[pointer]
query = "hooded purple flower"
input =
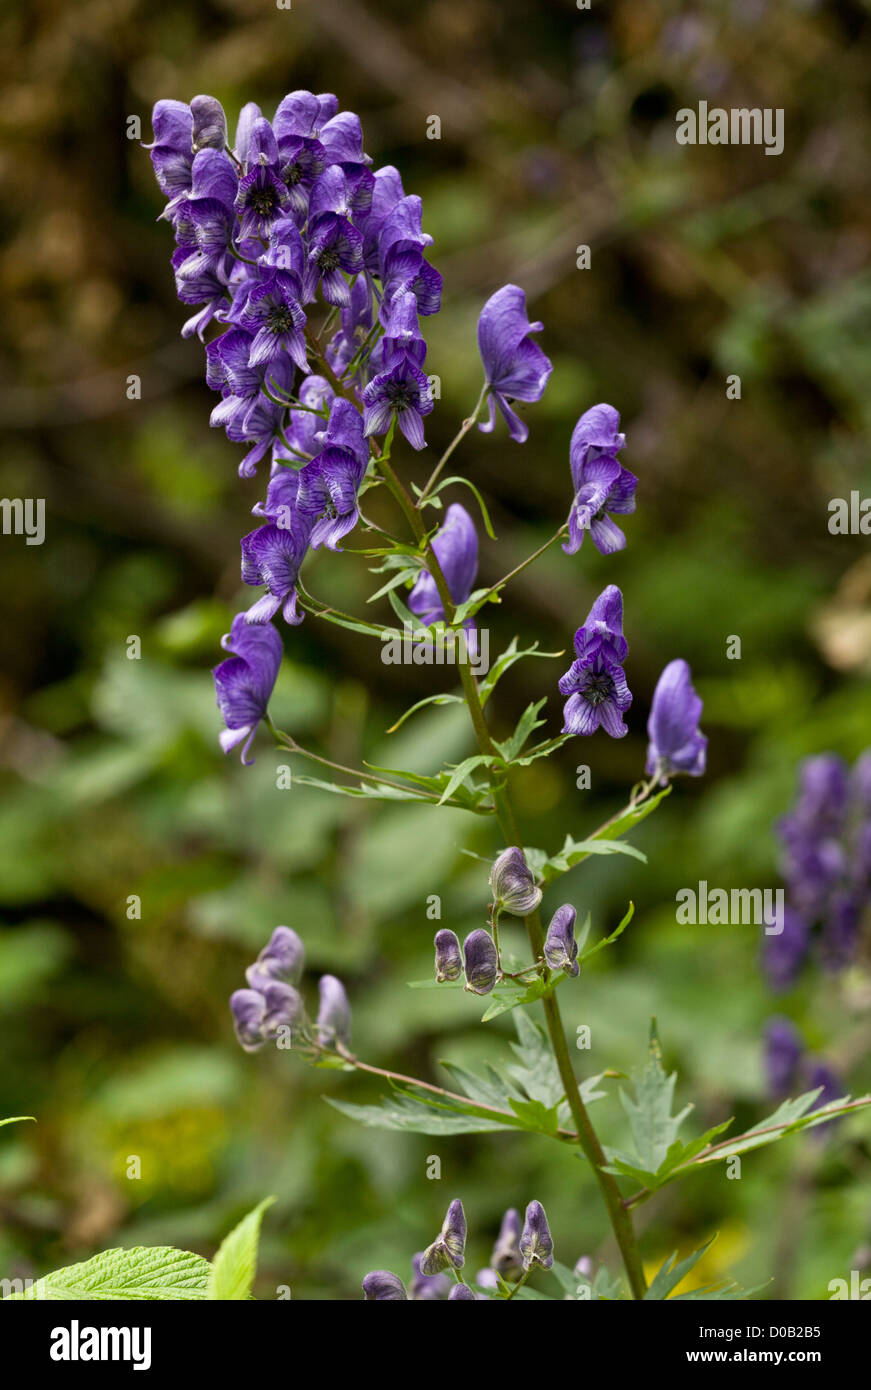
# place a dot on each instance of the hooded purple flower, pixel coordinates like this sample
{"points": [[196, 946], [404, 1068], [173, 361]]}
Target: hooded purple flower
{"points": [[400, 255], [783, 954], [512, 884], [427, 1288], [784, 1050], [209, 124], [381, 1286], [448, 960], [596, 682], [334, 1014], [328, 487], [304, 429], [402, 393], [355, 320], [284, 1008], [172, 148], [335, 244], [282, 958], [449, 1247], [560, 947], [262, 197], [676, 742], [515, 366], [536, 1243], [272, 555], [244, 683], [601, 484], [461, 1293], [456, 549], [506, 1258], [480, 960], [273, 314], [248, 1008], [841, 929]]}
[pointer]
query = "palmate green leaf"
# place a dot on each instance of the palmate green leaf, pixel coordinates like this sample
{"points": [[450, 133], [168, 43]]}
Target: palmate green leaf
{"points": [[420, 1112], [654, 1128], [459, 774], [153, 1273], [672, 1272], [789, 1118], [536, 1070], [235, 1264], [504, 662]]}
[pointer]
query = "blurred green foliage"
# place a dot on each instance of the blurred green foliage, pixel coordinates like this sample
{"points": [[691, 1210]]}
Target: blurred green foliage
{"points": [[557, 131]]}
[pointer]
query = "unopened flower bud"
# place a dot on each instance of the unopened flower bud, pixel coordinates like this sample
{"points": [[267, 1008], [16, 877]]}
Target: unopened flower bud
{"points": [[506, 1252], [560, 947], [334, 1014], [449, 1247], [514, 888], [248, 1008], [210, 124], [481, 962], [461, 1291], [536, 1244], [284, 1009], [282, 958], [381, 1285], [427, 1287], [448, 961]]}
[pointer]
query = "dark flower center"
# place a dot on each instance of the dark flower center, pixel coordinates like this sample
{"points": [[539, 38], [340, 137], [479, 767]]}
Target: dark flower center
{"points": [[263, 200], [279, 319], [293, 173], [598, 687], [328, 260], [400, 395]]}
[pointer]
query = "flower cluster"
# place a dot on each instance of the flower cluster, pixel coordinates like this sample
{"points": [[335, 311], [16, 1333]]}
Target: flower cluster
{"points": [[826, 867], [272, 1008], [520, 1248]]}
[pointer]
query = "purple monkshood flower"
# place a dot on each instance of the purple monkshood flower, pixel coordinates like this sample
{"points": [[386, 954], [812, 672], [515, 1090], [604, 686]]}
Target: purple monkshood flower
{"points": [[272, 555], [172, 148], [273, 314], [506, 1258], [258, 1014], [402, 394], [676, 742], [596, 682], [461, 1293], [334, 1014], [560, 947], [248, 1008], [400, 259], [244, 683], [262, 197], [355, 320], [426, 1288], [515, 366], [209, 124], [383, 1286], [456, 549], [282, 958], [448, 960], [480, 961], [784, 1050], [784, 954], [402, 337], [448, 1250], [841, 929], [512, 884], [602, 485], [328, 486], [536, 1244]]}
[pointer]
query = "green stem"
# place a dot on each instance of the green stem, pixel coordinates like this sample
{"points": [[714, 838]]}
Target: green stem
{"points": [[458, 438]]}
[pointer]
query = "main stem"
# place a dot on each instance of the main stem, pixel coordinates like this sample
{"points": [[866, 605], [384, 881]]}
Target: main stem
{"points": [[621, 1220]]}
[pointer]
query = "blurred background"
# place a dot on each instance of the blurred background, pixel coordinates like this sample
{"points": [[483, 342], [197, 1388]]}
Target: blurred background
{"points": [[557, 131]]}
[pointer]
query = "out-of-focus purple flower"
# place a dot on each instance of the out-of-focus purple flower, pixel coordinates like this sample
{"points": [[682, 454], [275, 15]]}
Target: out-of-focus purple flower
{"points": [[784, 953], [821, 1076], [601, 484], [272, 555], [513, 886], [427, 1287], [244, 683], [480, 961], [596, 682], [560, 947], [515, 367], [506, 1258], [282, 958], [462, 1292], [383, 1286], [676, 742], [209, 124], [449, 1247], [487, 1279], [402, 394], [284, 1008], [456, 549], [536, 1243], [248, 1008], [822, 798], [840, 935], [448, 959], [860, 783], [334, 1014], [784, 1050]]}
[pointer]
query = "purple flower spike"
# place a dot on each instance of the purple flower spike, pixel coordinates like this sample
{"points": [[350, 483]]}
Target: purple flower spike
{"points": [[676, 742], [506, 1259], [515, 366], [596, 682], [382, 1286], [514, 888], [282, 958], [601, 484], [402, 393], [334, 1014], [481, 965], [248, 1008], [427, 1288], [560, 947], [448, 960], [536, 1244], [244, 683], [456, 549], [449, 1247], [784, 1050]]}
